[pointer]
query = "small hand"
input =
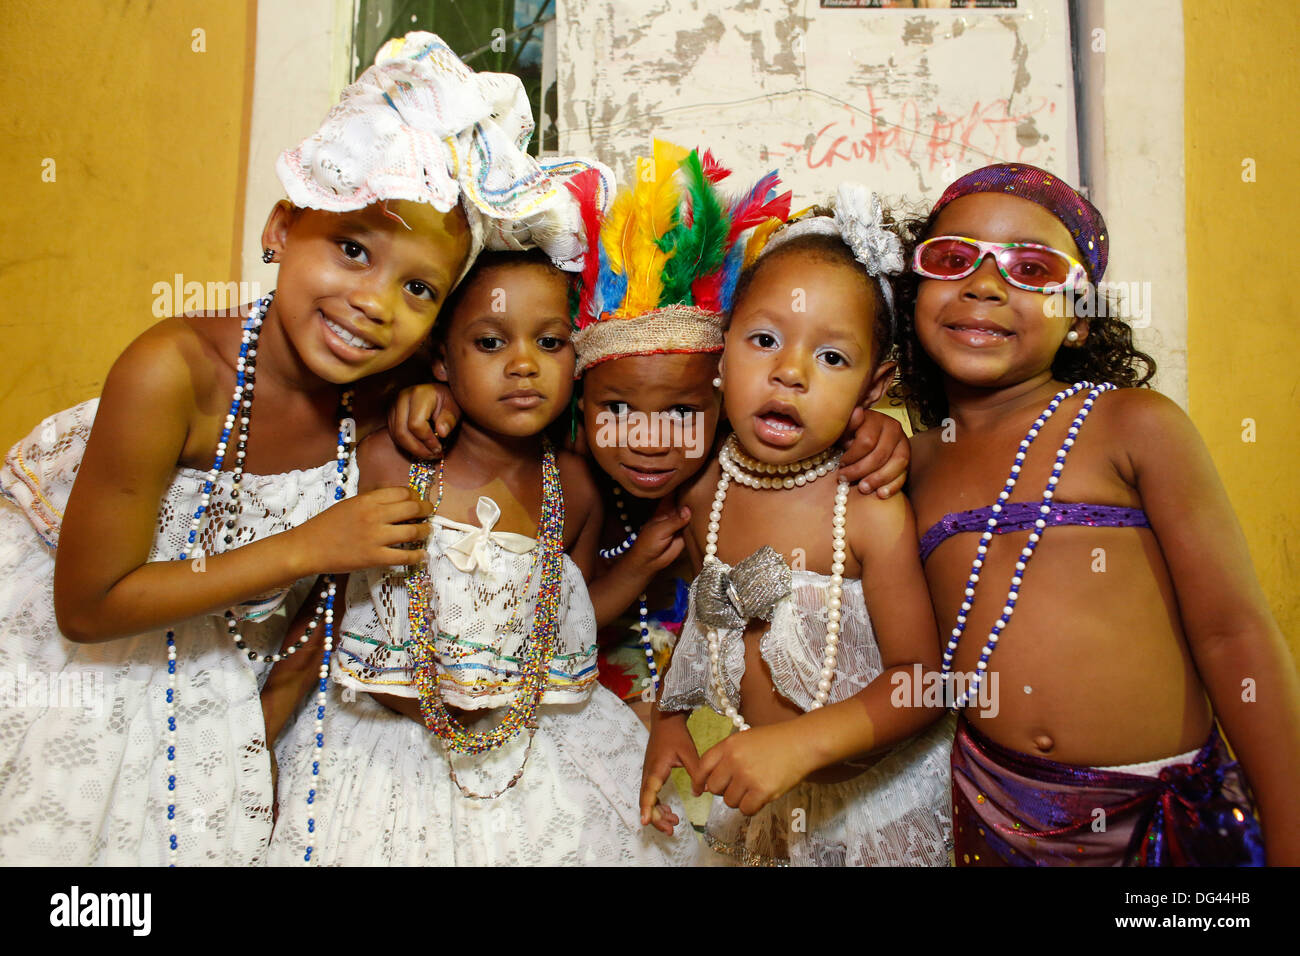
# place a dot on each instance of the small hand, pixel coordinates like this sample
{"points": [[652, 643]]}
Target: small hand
{"points": [[752, 768], [659, 541], [876, 453], [422, 415], [365, 531], [670, 746]]}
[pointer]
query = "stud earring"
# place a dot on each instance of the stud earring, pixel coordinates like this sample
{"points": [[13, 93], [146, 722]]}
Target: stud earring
{"points": [[717, 382], [268, 255], [1071, 336]]}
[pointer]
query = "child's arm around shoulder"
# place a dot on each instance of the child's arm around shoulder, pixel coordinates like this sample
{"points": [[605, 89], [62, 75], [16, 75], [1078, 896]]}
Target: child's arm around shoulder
{"points": [[583, 513], [1238, 648]]}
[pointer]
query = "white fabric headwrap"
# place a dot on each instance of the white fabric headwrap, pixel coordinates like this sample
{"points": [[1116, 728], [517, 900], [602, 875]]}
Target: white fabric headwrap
{"points": [[422, 126]]}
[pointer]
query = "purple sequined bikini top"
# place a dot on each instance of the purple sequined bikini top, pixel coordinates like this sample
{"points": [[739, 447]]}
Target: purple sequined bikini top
{"points": [[1021, 515]]}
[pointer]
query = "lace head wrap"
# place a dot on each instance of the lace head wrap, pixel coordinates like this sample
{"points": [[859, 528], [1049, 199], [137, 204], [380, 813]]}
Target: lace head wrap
{"points": [[659, 270], [1082, 218], [422, 126], [859, 222]]}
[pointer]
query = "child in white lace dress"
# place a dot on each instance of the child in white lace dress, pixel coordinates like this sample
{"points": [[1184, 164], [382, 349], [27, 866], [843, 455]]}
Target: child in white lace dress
{"points": [[807, 662], [151, 748], [526, 759]]}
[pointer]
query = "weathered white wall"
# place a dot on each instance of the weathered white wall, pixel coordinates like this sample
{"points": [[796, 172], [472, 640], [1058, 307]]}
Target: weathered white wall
{"points": [[302, 64], [903, 101], [1143, 189]]}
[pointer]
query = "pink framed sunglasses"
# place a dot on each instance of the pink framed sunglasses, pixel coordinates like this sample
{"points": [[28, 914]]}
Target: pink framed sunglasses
{"points": [[1026, 265]]}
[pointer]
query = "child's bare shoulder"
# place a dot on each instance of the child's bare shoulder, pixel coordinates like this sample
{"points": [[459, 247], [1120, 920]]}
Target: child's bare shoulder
{"points": [[697, 492], [381, 463], [925, 449], [1141, 407], [575, 473], [878, 527], [1141, 422], [169, 362]]}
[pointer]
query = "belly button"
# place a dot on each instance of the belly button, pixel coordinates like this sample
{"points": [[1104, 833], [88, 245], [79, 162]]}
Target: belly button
{"points": [[1044, 743]]}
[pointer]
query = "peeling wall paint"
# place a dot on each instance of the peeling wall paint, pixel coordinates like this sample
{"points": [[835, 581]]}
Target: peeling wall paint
{"points": [[904, 102]]}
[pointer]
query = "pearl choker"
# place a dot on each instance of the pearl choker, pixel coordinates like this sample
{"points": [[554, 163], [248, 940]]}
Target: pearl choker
{"points": [[804, 468], [760, 474]]}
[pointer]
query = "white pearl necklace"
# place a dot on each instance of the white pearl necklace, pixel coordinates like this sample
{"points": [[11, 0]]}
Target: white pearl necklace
{"points": [[713, 639], [760, 474]]}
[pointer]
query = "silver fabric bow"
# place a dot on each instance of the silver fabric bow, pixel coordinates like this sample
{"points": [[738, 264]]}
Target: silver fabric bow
{"points": [[861, 219], [728, 598]]}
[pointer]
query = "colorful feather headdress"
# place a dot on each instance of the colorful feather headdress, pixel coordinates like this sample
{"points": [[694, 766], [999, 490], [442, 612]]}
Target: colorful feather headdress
{"points": [[660, 268]]}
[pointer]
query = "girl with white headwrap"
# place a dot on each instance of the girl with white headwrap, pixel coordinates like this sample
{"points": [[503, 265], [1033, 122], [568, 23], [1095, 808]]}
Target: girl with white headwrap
{"points": [[132, 731]]}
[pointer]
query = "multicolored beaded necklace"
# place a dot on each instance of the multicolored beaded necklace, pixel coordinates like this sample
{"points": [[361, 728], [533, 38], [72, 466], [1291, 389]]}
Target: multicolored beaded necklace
{"points": [[238, 417], [521, 714]]}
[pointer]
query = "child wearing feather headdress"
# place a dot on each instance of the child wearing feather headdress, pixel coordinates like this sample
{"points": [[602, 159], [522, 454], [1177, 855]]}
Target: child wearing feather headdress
{"points": [[656, 281]]}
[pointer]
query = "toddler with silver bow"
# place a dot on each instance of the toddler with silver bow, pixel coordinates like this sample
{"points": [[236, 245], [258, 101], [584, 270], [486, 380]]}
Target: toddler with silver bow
{"points": [[808, 600]]}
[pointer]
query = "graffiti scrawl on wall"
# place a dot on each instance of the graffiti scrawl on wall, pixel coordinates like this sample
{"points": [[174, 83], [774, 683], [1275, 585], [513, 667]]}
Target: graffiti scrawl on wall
{"points": [[902, 100]]}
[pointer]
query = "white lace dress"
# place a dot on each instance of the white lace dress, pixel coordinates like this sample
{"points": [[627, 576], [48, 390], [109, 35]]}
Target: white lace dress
{"points": [[385, 795], [896, 812], [83, 766]]}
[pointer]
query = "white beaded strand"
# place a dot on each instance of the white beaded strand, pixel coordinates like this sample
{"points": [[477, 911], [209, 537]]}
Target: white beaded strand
{"points": [[1027, 552], [237, 419], [835, 604], [171, 747], [646, 644], [609, 554], [643, 609]]}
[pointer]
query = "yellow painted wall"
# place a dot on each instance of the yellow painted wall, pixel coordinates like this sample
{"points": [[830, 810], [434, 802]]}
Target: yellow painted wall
{"points": [[148, 139], [1242, 96]]}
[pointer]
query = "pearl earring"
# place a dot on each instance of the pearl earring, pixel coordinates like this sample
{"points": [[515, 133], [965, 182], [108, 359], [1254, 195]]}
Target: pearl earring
{"points": [[717, 381], [1071, 336], [268, 255]]}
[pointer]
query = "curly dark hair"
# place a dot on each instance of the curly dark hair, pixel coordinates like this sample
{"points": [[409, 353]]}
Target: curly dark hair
{"points": [[490, 259], [827, 248], [1106, 355]]}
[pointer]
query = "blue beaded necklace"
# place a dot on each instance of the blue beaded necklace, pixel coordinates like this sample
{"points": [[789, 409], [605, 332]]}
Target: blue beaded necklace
{"points": [[237, 419], [1026, 553], [643, 608]]}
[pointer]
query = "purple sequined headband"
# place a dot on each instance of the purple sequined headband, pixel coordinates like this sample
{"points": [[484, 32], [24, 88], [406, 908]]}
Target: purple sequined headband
{"points": [[1081, 217]]}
